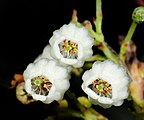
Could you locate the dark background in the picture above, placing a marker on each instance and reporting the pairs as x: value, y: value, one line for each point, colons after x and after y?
x: 26, y: 26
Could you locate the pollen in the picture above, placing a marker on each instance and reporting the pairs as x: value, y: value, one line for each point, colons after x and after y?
x: 41, y: 85
x: 101, y: 88
x: 68, y: 49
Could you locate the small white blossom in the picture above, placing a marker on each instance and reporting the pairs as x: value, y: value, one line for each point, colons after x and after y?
x: 46, y: 81
x: 71, y: 45
x: 106, y: 84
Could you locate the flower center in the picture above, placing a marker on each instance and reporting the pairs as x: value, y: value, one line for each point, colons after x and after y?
x: 68, y: 49
x: 101, y: 88
x: 41, y: 85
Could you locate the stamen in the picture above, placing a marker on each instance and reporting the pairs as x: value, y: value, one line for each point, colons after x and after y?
x: 41, y: 85
x: 101, y: 88
x: 68, y: 49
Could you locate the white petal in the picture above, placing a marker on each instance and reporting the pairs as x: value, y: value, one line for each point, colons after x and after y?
x: 47, y: 52
x: 90, y: 93
x: 78, y: 64
x: 53, y: 95
x: 95, y: 102
x: 62, y: 85
x: 39, y: 97
x: 80, y: 36
x: 38, y: 58
x: 27, y: 86
x: 105, y: 100
x: 118, y: 103
x: 68, y: 61
x: 55, y: 73
x: 113, y: 74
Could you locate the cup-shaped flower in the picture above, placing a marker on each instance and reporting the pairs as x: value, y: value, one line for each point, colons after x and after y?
x: 106, y: 84
x: 71, y: 45
x: 45, y: 80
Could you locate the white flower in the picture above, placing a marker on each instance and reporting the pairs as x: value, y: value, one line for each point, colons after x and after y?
x: 106, y: 84
x: 46, y: 80
x: 71, y: 45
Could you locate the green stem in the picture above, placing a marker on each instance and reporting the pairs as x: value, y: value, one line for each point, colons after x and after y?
x: 98, y: 22
x: 96, y: 57
x: 108, y: 52
x: 98, y: 35
x: 74, y: 99
x: 77, y: 114
x: 125, y: 43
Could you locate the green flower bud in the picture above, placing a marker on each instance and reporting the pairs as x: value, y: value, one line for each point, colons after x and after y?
x: 84, y: 101
x: 138, y: 14
x: 63, y: 103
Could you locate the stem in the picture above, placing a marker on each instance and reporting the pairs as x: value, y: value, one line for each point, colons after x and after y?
x: 125, y: 43
x: 99, y: 37
x: 74, y: 99
x: 96, y: 57
x: 99, y: 16
x: 108, y: 52
x: 77, y: 114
